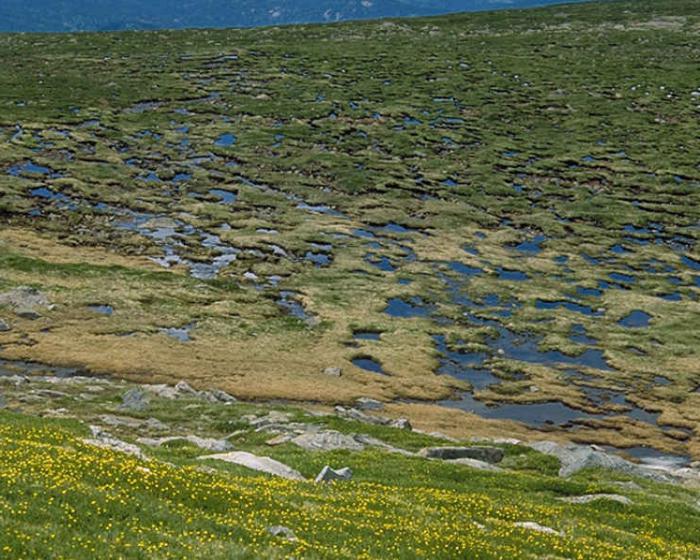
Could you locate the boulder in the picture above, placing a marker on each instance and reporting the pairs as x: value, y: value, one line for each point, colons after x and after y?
x: 474, y: 464
x: 333, y: 371
x: 3, y: 402
x: 596, y: 497
x: 279, y: 439
x: 283, y: 532
x: 365, y: 403
x: 532, y: 526
x: 358, y: 416
x: 24, y: 297
x: 102, y: 439
x: 328, y: 474
x: 27, y: 313
x: 162, y: 391
x: 327, y: 441
x: 574, y: 458
x: 133, y: 423
x: 401, y: 424
x: 185, y: 389
x: 134, y: 399
x: 217, y: 395
x: 256, y: 463
x: 208, y: 444
x: 480, y: 453
x: 271, y: 418
x: 4, y: 326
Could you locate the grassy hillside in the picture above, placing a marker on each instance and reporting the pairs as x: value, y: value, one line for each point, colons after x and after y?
x: 63, y: 498
x: 486, y: 222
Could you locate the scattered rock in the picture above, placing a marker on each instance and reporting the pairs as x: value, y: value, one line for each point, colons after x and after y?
x: 480, y: 453
x: 24, y: 297
x: 120, y: 421
x: 574, y: 458
x: 532, y: 526
x: 271, y: 418
x: 217, y: 395
x: 184, y: 388
x: 475, y: 464
x: 50, y: 393
x: 133, y: 423
x: 162, y: 391
x: 134, y: 399
x: 333, y: 371
x: 281, y: 531
x: 102, y: 439
x: 327, y: 441
x: 374, y: 442
x: 401, y: 424
x: 330, y: 475
x: 4, y: 326
x: 27, y: 313
x: 3, y: 402
x: 207, y: 444
x: 595, y: 497
x: 256, y: 463
x: 365, y: 403
x: 358, y: 416
x: 279, y: 440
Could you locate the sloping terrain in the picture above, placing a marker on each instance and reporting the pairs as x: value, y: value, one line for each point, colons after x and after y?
x: 107, y: 15
x: 489, y: 222
x: 147, y: 480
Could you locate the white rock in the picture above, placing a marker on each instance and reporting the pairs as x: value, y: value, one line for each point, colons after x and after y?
x: 327, y: 441
x: 532, y: 526
x: 328, y: 474
x: 256, y: 463
x: 596, y: 497
x: 208, y: 444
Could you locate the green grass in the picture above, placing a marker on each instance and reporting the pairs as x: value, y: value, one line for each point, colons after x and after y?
x: 63, y: 499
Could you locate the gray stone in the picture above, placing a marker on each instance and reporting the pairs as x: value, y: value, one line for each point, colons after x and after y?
x: 121, y: 421
x: 256, y: 463
x: 3, y: 402
x: 217, y: 395
x: 50, y: 393
x: 208, y: 444
x: 365, y: 403
x: 279, y: 440
x: 27, y: 313
x: 596, y: 497
x: 4, y: 326
x: 102, y: 439
x: 333, y: 371
x: 475, y: 464
x: 532, y: 526
x: 162, y: 391
x: 401, y: 424
x: 574, y: 458
x: 24, y: 297
x: 358, y: 416
x: 283, y: 532
x: 184, y: 388
x: 271, y: 418
x: 134, y: 399
x: 328, y: 474
x: 480, y: 453
x: 327, y: 441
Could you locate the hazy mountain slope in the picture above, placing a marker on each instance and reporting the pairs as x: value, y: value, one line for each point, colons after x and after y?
x: 84, y: 15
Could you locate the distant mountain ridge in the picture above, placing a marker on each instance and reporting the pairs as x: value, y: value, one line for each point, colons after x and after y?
x: 115, y: 15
